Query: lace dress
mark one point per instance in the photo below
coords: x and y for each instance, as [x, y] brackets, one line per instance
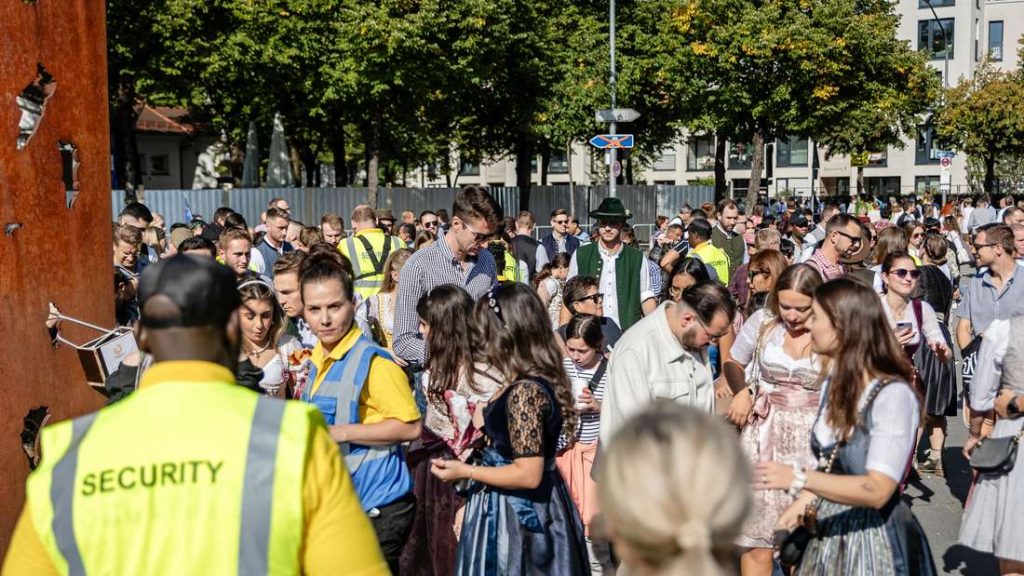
[784, 411]
[520, 532]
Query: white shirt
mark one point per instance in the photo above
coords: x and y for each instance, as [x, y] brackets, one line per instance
[649, 363]
[606, 283]
[929, 322]
[894, 419]
[964, 229]
[986, 381]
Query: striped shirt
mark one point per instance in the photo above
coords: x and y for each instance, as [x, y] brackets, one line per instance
[425, 270]
[589, 427]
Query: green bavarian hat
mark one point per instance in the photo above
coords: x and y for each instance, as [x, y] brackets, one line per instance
[611, 209]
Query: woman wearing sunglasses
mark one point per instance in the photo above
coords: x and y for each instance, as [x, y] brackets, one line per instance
[908, 318]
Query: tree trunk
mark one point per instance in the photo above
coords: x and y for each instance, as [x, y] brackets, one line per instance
[336, 142]
[524, 180]
[860, 180]
[756, 166]
[295, 160]
[545, 159]
[721, 184]
[628, 172]
[308, 159]
[990, 173]
[373, 157]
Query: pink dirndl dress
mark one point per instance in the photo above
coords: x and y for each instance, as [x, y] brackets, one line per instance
[779, 429]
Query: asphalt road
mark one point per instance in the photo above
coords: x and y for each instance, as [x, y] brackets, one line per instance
[938, 504]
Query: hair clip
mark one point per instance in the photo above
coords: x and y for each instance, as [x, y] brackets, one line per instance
[492, 302]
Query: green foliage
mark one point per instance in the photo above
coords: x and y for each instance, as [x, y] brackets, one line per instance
[984, 117]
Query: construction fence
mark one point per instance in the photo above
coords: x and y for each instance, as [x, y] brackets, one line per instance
[309, 204]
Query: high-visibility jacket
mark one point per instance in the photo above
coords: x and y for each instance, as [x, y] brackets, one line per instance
[716, 258]
[180, 478]
[368, 250]
[379, 473]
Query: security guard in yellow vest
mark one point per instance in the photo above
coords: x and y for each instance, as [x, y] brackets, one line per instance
[368, 249]
[192, 474]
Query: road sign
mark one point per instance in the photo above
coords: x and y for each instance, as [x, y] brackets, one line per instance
[616, 169]
[605, 141]
[944, 154]
[945, 162]
[616, 115]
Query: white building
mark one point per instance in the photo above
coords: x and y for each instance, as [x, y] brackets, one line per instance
[973, 27]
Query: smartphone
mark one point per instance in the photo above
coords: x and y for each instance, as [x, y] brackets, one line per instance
[904, 326]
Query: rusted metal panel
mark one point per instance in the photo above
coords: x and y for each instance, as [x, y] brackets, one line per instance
[53, 253]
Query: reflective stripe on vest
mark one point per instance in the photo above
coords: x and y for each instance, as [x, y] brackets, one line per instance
[119, 511]
[366, 279]
[345, 392]
[62, 491]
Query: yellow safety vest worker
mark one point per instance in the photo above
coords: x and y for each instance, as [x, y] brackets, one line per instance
[368, 250]
[179, 478]
[716, 258]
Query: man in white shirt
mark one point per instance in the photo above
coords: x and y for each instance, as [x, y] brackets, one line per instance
[664, 355]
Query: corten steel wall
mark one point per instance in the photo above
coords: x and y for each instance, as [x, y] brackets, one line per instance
[58, 254]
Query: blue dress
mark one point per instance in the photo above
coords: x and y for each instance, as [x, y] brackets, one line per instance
[520, 532]
[856, 541]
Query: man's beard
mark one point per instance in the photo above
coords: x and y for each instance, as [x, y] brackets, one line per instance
[689, 339]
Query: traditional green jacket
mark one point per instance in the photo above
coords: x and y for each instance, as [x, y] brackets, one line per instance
[627, 278]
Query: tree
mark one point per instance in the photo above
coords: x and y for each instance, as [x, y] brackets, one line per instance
[760, 70]
[983, 116]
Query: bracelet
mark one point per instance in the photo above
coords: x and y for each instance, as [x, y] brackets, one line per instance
[799, 481]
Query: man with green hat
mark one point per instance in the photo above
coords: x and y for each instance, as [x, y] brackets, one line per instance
[624, 285]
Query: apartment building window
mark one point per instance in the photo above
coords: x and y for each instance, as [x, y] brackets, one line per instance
[558, 163]
[666, 162]
[930, 39]
[791, 151]
[468, 168]
[700, 153]
[882, 185]
[925, 152]
[924, 184]
[995, 40]
[740, 155]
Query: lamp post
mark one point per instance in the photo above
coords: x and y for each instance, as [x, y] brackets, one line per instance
[945, 65]
[612, 152]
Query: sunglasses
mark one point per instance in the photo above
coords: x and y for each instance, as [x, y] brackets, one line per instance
[979, 246]
[903, 273]
[562, 222]
[477, 237]
[756, 273]
[598, 297]
[430, 224]
[850, 237]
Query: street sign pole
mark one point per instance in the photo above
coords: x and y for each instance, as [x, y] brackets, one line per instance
[612, 153]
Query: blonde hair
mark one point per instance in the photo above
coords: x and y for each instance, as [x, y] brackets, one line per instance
[674, 488]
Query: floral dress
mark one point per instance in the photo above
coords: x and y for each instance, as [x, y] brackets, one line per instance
[785, 407]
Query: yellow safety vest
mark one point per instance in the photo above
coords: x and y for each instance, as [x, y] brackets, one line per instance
[509, 272]
[368, 262]
[179, 478]
[716, 258]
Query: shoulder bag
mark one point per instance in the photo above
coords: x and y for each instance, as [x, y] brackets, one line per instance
[996, 456]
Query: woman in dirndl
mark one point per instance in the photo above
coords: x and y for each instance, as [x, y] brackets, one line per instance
[778, 407]
[863, 437]
[994, 519]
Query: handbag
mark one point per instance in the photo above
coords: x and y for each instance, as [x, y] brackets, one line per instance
[791, 549]
[996, 456]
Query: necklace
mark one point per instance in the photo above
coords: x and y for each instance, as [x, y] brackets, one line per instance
[257, 351]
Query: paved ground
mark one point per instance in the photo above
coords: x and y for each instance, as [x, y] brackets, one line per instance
[938, 505]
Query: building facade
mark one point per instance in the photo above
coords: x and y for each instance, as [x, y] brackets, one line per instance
[972, 28]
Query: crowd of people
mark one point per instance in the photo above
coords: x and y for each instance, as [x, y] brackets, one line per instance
[747, 393]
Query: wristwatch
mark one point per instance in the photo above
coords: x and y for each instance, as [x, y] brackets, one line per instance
[1012, 409]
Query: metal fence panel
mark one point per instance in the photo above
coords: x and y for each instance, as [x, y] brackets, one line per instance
[309, 204]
